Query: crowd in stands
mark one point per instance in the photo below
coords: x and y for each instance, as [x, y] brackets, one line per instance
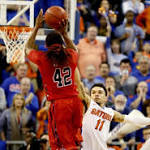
[122, 61]
[114, 49]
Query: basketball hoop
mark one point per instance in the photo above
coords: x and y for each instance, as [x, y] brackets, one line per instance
[15, 38]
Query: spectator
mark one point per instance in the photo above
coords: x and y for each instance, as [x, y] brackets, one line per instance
[111, 90]
[91, 51]
[139, 99]
[42, 118]
[136, 5]
[148, 111]
[90, 79]
[125, 80]
[141, 96]
[36, 144]
[45, 142]
[134, 59]
[102, 30]
[12, 84]
[106, 5]
[146, 49]
[120, 106]
[128, 33]
[114, 53]
[117, 7]
[86, 14]
[31, 100]
[143, 20]
[135, 56]
[146, 136]
[146, 108]
[105, 10]
[2, 100]
[14, 120]
[143, 73]
[104, 71]
[28, 139]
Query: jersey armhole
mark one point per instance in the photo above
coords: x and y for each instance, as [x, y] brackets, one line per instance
[85, 106]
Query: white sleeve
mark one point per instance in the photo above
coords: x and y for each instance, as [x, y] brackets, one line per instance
[146, 145]
[137, 120]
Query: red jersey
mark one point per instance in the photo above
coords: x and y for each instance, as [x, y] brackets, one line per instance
[58, 80]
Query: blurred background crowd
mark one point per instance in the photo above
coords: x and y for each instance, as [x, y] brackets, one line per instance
[113, 39]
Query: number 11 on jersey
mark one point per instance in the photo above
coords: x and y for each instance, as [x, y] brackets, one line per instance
[99, 124]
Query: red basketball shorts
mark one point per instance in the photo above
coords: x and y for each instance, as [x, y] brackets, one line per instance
[65, 122]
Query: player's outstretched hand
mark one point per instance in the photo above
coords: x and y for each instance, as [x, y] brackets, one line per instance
[39, 19]
[63, 26]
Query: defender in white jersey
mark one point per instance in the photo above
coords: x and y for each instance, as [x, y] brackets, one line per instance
[96, 121]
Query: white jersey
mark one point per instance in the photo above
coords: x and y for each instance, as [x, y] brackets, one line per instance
[146, 145]
[96, 125]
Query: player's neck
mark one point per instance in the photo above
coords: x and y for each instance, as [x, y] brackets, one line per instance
[101, 105]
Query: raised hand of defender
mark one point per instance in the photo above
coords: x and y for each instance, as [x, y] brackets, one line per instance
[81, 90]
[39, 19]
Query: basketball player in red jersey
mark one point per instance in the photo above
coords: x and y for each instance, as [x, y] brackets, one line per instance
[57, 67]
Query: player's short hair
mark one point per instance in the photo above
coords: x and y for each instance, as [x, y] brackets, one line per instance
[53, 38]
[99, 85]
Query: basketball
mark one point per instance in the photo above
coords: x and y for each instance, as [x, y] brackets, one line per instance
[54, 15]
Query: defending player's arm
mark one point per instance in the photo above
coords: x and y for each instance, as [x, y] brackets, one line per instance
[82, 94]
[131, 122]
[118, 117]
[136, 120]
[63, 31]
[31, 41]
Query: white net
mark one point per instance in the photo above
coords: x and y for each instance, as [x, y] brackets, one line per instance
[15, 41]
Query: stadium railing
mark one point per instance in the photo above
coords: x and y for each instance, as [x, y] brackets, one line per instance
[133, 147]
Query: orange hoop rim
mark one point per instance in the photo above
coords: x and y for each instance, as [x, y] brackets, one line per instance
[16, 28]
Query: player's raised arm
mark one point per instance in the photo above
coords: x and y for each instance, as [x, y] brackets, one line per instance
[82, 94]
[31, 41]
[63, 31]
